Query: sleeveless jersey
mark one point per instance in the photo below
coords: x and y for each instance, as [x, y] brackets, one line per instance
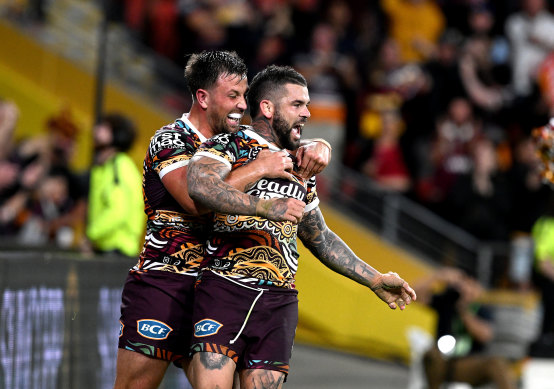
[251, 249]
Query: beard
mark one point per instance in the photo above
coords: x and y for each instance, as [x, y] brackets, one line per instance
[282, 131]
[218, 124]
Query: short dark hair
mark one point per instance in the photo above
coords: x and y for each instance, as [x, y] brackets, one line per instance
[203, 69]
[123, 130]
[269, 83]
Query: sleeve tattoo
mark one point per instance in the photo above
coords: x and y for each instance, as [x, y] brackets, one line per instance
[331, 250]
[207, 186]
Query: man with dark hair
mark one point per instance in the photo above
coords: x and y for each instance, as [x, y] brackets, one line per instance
[246, 306]
[115, 221]
[156, 313]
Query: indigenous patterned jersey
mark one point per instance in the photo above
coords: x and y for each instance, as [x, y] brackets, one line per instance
[174, 240]
[252, 249]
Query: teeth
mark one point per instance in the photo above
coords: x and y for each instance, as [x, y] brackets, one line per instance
[235, 116]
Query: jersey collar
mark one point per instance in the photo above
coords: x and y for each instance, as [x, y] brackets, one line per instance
[261, 140]
[185, 119]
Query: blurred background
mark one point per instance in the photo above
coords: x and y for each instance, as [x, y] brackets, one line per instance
[430, 106]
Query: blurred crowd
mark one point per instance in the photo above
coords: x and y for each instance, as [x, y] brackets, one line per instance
[42, 200]
[45, 202]
[440, 96]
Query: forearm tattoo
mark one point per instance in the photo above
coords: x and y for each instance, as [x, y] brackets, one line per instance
[206, 186]
[331, 250]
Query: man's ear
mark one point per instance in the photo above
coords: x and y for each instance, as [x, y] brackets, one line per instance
[202, 96]
[267, 108]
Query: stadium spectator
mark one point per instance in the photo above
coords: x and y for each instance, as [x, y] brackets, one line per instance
[479, 199]
[386, 165]
[531, 35]
[448, 156]
[530, 197]
[416, 25]
[115, 218]
[464, 328]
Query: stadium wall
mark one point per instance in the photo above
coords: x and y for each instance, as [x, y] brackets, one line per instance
[59, 321]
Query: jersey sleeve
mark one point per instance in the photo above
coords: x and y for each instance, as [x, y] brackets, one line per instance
[222, 147]
[170, 150]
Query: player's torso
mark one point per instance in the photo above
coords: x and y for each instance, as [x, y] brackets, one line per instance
[174, 239]
[258, 250]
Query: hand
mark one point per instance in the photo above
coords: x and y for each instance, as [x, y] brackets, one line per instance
[312, 158]
[281, 209]
[275, 164]
[393, 290]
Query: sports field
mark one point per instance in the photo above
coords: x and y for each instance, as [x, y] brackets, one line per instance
[315, 368]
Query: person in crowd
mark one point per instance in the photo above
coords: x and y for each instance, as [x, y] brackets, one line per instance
[530, 32]
[530, 195]
[447, 156]
[416, 25]
[23, 167]
[464, 328]
[115, 222]
[158, 292]
[484, 64]
[480, 199]
[386, 165]
[246, 307]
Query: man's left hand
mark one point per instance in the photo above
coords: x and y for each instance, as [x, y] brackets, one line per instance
[312, 158]
[393, 290]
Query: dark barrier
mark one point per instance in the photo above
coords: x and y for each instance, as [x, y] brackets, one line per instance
[59, 321]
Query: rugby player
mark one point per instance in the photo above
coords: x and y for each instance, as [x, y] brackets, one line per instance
[246, 307]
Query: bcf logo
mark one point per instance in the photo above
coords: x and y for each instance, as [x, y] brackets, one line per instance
[153, 329]
[206, 327]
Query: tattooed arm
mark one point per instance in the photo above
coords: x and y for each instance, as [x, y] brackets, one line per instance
[268, 164]
[337, 256]
[206, 186]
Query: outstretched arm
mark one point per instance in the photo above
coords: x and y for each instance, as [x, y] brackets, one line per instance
[336, 255]
[206, 186]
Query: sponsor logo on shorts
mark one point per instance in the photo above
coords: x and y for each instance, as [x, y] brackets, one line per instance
[121, 325]
[206, 327]
[153, 329]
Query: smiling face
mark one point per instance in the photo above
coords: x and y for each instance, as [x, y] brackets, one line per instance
[290, 116]
[227, 103]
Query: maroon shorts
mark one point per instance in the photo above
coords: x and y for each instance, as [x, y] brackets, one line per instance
[156, 314]
[221, 309]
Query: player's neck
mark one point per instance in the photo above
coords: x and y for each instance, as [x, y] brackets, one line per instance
[263, 127]
[197, 117]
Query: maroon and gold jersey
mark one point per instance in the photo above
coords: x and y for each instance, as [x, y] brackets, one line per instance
[174, 239]
[252, 249]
